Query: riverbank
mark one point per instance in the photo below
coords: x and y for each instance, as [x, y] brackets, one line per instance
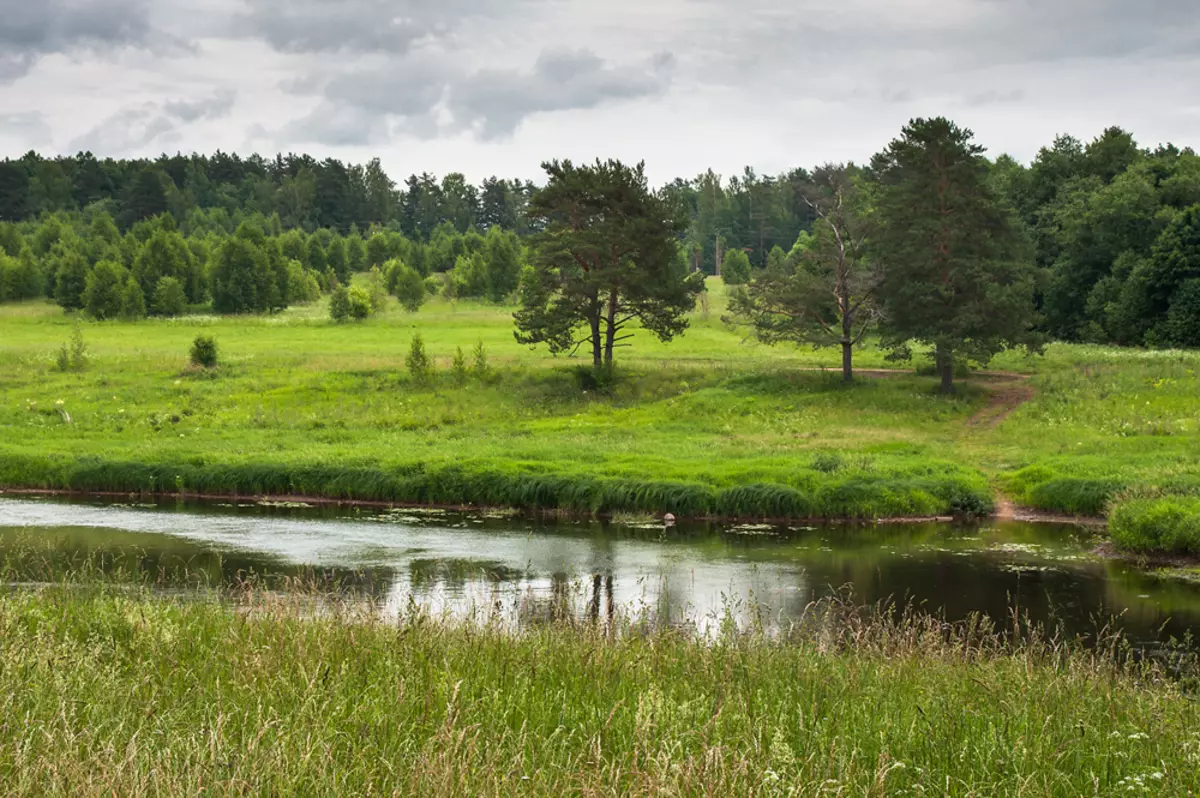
[148, 695]
[710, 426]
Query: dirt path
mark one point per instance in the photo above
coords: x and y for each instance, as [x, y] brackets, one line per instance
[1004, 401]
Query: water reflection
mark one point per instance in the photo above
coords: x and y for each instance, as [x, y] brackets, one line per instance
[526, 572]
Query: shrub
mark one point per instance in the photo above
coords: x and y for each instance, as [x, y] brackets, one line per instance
[72, 356]
[458, 366]
[361, 305]
[480, 365]
[303, 286]
[19, 276]
[169, 297]
[1168, 525]
[204, 352]
[419, 364]
[349, 304]
[102, 292]
[735, 267]
[339, 304]
[133, 301]
[409, 288]
[377, 292]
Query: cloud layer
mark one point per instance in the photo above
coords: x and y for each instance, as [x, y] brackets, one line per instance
[496, 86]
[31, 29]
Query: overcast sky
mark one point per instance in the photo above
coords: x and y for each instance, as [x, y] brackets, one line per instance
[496, 86]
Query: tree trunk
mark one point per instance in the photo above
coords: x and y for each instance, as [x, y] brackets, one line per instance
[611, 332]
[597, 342]
[847, 341]
[945, 366]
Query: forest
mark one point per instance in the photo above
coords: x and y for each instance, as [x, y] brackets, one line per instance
[1110, 229]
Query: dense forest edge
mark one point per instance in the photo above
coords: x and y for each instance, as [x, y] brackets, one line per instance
[1094, 244]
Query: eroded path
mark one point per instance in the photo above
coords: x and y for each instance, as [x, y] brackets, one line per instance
[1009, 391]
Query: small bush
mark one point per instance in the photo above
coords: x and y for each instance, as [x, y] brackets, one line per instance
[591, 378]
[458, 366]
[1157, 526]
[377, 293]
[480, 366]
[204, 352]
[73, 355]
[828, 462]
[339, 304]
[349, 304]
[420, 365]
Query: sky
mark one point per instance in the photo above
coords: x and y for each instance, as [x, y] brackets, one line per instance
[495, 87]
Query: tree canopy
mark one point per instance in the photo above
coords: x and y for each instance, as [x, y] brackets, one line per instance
[956, 265]
[607, 256]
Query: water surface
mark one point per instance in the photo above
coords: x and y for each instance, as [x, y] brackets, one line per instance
[525, 570]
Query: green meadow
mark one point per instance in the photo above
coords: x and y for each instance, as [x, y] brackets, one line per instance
[712, 424]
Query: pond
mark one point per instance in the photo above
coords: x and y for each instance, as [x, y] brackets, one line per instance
[523, 570]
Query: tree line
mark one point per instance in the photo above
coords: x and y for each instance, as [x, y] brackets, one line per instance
[1104, 238]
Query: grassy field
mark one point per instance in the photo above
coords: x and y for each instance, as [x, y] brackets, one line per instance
[106, 691]
[711, 424]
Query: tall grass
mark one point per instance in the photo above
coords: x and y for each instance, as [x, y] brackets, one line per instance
[1168, 525]
[815, 494]
[114, 693]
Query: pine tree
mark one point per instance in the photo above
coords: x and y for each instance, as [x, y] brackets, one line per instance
[607, 256]
[958, 273]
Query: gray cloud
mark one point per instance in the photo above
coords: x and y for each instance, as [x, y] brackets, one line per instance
[30, 29]
[454, 84]
[426, 97]
[358, 26]
[220, 104]
[134, 128]
[333, 126]
[496, 101]
[29, 126]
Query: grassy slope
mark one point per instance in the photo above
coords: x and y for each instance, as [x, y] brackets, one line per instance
[104, 693]
[305, 406]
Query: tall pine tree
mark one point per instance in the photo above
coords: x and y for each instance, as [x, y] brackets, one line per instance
[957, 269]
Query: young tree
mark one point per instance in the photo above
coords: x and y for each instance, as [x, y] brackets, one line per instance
[169, 297]
[502, 251]
[167, 255]
[241, 275]
[735, 267]
[606, 256]
[825, 293]
[336, 258]
[356, 253]
[102, 294]
[70, 275]
[133, 301]
[409, 287]
[20, 277]
[957, 269]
